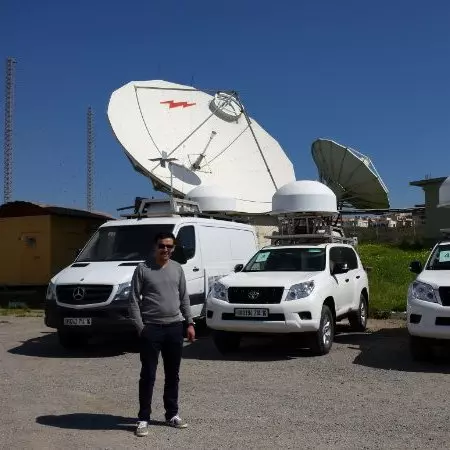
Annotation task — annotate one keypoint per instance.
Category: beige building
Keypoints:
(435, 218)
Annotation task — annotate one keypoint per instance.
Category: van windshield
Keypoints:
(287, 260)
(440, 259)
(122, 243)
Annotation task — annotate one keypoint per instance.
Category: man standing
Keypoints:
(158, 303)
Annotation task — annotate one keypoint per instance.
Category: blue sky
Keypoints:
(372, 75)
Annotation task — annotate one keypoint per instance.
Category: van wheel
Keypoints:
(419, 348)
(322, 340)
(227, 342)
(358, 319)
(71, 340)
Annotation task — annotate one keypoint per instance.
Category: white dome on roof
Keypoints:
(212, 198)
(304, 196)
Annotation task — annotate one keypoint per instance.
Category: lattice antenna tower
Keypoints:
(90, 159)
(9, 113)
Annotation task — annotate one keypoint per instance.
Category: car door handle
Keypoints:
(195, 269)
(358, 277)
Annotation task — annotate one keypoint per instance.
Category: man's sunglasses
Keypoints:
(163, 246)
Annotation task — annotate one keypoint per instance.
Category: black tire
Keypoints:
(70, 340)
(322, 340)
(358, 319)
(227, 342)
(420, 348)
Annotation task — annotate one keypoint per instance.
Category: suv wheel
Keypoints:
(323, 338)
(227, 342)
(419, 348)
(358, 319)
(71, 340)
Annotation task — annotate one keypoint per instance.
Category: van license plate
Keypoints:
(251, 312)
(78, 321)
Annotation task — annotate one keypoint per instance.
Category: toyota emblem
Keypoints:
(78, 293)
(253, 295)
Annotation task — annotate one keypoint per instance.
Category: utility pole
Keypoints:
(9, 115)
(90, 160)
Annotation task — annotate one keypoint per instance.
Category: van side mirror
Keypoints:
(238, 267)
(340, 267)
(179, 255)
(415, 267)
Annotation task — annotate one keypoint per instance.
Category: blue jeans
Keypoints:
(166, 339)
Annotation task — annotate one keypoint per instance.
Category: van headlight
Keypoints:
(220, 292)
(300, 290)
(51, 291)
(422, 291)
(123, 292)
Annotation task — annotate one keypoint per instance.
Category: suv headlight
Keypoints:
(300, 290)
(123, 292)
(422, 291)
(51, 291)
(220, 292)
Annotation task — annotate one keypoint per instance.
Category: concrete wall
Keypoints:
(436, 218)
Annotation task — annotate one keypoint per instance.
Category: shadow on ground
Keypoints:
(92, 422)
(46, 345)
(388, 349)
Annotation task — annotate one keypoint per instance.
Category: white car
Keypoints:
(428, 303)
(290, 289)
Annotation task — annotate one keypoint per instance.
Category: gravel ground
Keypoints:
(366, 393)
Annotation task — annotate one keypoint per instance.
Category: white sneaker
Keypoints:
(142, 428)
(176, 422)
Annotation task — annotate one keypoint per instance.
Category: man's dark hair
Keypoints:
(164, 235)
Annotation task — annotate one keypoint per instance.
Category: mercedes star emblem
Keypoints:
(78, 293)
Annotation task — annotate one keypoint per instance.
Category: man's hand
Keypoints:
(190, 333)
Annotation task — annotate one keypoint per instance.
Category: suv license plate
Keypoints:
(251, 312)
(78, 321)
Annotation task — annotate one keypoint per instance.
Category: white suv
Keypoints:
(290, 289)
(428, 310)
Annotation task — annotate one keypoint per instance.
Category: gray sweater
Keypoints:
(164, 295)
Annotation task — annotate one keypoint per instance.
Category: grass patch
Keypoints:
(389, 276)
(21, 312)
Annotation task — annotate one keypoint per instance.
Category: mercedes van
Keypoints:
(90, 296)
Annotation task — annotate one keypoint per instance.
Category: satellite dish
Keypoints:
(350, 174)
(211, 136)
(305, 197)
(444, 194)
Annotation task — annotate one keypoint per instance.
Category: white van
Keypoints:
(91, 295)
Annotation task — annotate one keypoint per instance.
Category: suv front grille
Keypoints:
(84, 294)
(255, 295)
(444, 293)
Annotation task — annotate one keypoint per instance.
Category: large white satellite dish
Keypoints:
(350, 174)
(211, 136)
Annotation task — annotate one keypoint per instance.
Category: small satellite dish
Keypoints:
(350, 174)
(212, 138)
(444, 194)
(304, 197)
(213, 199)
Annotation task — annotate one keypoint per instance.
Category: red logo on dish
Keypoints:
(174, 104)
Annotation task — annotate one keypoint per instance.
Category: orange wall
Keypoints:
(24, 250)
(68, 235)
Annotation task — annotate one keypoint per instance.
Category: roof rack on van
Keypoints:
(150, 207)
(319, 238)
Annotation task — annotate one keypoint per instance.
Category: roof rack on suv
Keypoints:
(173, 206)
(301, 229)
